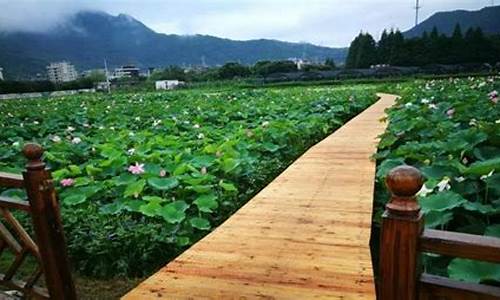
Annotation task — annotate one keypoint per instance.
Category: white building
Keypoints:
(300, 63)
(126, 71)
(103, 86)
(1, 73)
(61, 72)
(168, 84)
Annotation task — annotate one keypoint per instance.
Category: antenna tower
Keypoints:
(417, 9)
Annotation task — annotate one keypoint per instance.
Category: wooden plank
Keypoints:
(21, 232)
(463, 245)
(9, 180)
(306, 235)
(11, 203)
(9, 239)
(436, 287)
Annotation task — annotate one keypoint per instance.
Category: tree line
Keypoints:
(431, 48)
(233, 70)
(7, 87)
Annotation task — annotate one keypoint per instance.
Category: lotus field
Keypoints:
(143, 176)
(450, 130)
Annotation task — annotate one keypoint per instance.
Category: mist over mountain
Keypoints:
(88, 37)
(487, 18)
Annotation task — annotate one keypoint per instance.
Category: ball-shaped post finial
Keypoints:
(404, 181)
(33, 152)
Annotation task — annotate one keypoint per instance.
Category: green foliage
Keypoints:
(170, 73)
(265, 68)
(330, 62)
(232, 70)
(433, 48)
(362, 52)
(163, 184)
(450, 130)
(474, 271)
(154, 172)
(7, 87)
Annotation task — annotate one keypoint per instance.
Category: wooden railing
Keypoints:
(49, 250)
(403, 238)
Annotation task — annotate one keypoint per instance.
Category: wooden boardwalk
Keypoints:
(305, 236)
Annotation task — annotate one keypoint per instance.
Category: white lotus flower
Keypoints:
(459, 179)
(55, 139)
(432, 106)
(424, 191)
(76, 140)
(484, 177)
(425, 101)
(131, 151)
(444, 184)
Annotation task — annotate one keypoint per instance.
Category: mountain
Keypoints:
(487, 18)
(88, 37)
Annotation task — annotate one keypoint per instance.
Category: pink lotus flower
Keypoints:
(136, 169)
(493, 97)
(450, 112)
(67, 182)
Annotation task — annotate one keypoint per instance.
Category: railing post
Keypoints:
(402, 225)
(47, 225)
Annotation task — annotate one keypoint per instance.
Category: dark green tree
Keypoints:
(457, 47)
(330, 63)
(265, 68)
(384, 48)
(170, 73)
(232, 70)
(362, 52)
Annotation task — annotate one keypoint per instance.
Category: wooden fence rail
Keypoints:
(403, 238)
(50, 248)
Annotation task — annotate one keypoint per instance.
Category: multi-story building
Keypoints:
(61, 72)
(1, 73)
(126, 71)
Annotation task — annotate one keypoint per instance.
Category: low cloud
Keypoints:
(37, 16)
(324, 22)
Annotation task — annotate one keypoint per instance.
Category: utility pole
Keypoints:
(417, 8)
(108, 85)
(203, 62)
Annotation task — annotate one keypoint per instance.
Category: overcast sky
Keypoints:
(322, 22)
